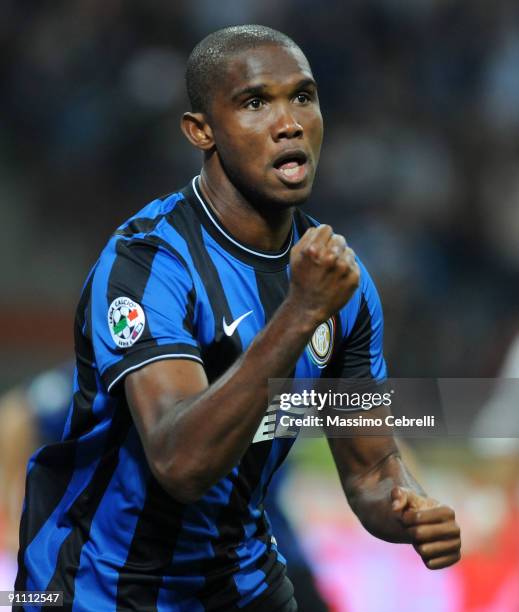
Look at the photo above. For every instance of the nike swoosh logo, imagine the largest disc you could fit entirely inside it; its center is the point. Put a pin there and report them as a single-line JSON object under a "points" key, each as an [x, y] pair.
{"points": [[230, 329]]}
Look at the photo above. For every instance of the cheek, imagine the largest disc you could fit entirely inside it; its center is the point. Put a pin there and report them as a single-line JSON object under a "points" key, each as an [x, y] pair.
{"points": [[316, 130], [240, 138]]}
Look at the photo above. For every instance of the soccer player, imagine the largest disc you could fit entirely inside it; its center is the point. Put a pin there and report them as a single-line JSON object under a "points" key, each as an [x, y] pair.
{"points": [[153, 499]]}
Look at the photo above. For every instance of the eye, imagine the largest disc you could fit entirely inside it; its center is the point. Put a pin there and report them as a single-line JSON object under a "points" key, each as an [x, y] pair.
{"points": [[303, 97], [254, 103]]}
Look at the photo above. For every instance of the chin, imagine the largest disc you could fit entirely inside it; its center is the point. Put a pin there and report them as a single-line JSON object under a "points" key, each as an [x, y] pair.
{"points": [[294, 196]]}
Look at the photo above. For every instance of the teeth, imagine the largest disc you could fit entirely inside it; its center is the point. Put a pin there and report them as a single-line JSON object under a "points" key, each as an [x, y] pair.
{"points": [[290, 171]]}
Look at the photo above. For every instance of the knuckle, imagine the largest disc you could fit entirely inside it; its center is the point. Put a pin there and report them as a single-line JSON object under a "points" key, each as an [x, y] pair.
{"points": [[342, 265], [329, 259], [415, 533]]}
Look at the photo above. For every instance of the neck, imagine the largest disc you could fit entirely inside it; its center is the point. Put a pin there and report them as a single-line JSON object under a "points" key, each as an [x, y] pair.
{"points": [[255, 226]]}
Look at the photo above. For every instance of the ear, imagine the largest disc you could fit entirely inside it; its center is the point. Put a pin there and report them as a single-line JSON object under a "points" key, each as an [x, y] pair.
{"points": [[197, 130]]}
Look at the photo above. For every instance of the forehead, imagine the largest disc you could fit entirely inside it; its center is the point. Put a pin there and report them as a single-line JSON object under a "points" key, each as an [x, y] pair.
{"points": [[269, 65]]}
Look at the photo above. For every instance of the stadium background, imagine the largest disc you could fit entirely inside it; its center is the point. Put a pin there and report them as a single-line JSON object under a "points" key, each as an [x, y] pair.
{"points": [[420, 171]]}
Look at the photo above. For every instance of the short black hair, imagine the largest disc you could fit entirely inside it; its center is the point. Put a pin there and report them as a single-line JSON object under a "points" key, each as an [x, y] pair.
{"points": [[207, 62]]}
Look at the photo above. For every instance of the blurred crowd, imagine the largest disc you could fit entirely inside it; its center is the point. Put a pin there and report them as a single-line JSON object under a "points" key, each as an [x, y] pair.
{"points": [[419, 167]]}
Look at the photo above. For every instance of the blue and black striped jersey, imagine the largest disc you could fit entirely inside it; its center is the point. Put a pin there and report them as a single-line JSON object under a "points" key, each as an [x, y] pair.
{"points": [[171, 283]]}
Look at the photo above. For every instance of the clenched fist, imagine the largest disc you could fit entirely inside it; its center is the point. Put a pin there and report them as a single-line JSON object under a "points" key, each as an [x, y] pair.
{"points": [[431, 527], [324, 273]]}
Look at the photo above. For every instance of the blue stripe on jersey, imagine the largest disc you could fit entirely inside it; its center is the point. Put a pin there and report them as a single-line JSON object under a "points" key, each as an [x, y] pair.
{"points": [[42, 553], [378, 364], [154, 209], [234, 280], [158, 291], [112, 530]]}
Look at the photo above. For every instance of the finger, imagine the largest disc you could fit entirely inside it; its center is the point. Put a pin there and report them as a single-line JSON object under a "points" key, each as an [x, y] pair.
{"points": [[330, 253], [436, 514], [432, 550], [441, 562], [347, 262], [398, 498], [318, 239], [434, 532], [337, 244]]}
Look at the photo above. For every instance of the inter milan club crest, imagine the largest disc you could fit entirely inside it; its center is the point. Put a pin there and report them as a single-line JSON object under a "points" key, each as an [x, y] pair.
{"points": [[126, 321], [320, 347]]}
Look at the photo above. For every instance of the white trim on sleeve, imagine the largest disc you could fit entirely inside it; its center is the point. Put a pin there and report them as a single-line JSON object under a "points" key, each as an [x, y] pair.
{"points": [[157, 358]]}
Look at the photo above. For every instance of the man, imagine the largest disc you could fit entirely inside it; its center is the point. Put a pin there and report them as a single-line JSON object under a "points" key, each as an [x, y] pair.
{"points": [[153, 499]]}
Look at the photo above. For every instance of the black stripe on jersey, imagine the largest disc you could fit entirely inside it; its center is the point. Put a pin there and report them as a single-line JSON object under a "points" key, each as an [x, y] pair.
{"points": [[303, 222], [128, 277], [82, 511], [150, 552], [83, 418], [51, 474], [188, 322], [55, 464], [141, 225], [223, 351], [130, 274], [356, 362]]}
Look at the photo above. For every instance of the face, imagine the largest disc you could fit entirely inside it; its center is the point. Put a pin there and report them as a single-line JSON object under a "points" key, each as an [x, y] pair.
{"points": [[267, 125]]}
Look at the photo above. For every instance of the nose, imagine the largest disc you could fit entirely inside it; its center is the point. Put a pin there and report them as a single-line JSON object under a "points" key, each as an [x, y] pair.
{"points": [[286, 125]]}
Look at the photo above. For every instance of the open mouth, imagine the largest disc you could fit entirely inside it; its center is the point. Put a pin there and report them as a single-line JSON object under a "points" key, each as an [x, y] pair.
{"points": [[292, 166]]}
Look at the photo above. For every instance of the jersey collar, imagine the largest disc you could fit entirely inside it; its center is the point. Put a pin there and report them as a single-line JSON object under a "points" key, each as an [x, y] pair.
{"points": [[267, 260]]}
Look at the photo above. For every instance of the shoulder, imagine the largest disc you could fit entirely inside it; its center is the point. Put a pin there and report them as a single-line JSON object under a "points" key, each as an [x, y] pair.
{"points": [[147, 221], [148, 231], [144, 247]]}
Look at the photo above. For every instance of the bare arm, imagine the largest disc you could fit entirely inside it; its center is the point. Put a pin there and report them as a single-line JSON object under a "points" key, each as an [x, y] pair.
{"points": [[194, 433], [390, 503]]}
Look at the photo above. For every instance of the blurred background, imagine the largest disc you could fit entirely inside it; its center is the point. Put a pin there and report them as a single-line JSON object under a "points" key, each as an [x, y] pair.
{"points": [[419, 169]]}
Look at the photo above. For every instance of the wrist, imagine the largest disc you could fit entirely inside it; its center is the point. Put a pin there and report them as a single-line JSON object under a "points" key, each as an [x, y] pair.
{"points": [[307, 317]]}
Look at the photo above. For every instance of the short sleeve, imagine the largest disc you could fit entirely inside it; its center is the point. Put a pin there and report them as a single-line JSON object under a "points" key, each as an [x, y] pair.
{"points": [[142, 309], [362, 354]]}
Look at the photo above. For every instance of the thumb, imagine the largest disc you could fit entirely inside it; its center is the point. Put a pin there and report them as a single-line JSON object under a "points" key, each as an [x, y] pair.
{"points": [[408, 499]]}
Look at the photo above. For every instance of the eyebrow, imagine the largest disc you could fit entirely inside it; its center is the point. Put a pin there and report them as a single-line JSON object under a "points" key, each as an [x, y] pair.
{"points": [[259, 89]]}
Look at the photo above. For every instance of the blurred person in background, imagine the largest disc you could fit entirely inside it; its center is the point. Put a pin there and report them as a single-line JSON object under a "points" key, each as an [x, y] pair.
{"points": [[31, 415], [150, 361]]}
